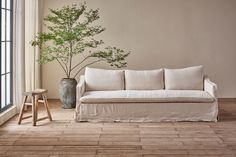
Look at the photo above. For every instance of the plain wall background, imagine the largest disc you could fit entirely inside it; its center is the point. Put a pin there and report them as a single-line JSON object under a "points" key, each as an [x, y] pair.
{"points": [[164, 33]]}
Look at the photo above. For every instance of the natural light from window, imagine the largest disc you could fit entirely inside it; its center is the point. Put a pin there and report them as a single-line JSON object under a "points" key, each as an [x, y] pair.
{"points": [[6, 54]]}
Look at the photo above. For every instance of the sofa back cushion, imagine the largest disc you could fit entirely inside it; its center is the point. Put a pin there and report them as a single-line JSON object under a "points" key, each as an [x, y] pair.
{"points": [[144, 80], [190, 78], [101, 79]]}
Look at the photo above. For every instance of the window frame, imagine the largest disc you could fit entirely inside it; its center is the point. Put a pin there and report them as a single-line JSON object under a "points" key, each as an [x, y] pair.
{"points": [[10, 41]]}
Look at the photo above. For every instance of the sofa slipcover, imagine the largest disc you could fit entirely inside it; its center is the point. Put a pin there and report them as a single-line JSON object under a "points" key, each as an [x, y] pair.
{"points": [[146, 112], [136, 96], [115, 104]]}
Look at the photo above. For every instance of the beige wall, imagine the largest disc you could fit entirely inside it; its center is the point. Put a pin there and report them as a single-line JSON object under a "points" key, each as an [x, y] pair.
{"points": [[165, 33]]}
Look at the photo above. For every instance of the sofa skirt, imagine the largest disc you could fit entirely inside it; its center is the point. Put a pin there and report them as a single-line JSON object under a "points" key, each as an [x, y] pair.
{"points": [[146, 112]]}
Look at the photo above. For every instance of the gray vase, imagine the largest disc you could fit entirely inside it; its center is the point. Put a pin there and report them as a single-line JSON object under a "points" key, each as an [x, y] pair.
{"points": [[67, 92]]}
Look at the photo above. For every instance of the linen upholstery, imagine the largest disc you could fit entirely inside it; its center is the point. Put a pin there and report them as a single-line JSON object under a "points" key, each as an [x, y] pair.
{"points": [[190, 78], [210, 87], [101, 79], [80, 88], [146, 112], [112, 104], [144, 80], [137, 96]]}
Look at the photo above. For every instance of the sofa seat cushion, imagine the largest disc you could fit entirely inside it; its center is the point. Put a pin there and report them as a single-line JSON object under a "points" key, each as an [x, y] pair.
{"points": [[149, 96]]}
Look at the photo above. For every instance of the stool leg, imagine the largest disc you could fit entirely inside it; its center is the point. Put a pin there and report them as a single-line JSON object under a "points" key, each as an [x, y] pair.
{"points": [[46, 106], [22, 110], [36, 108], [33, 111]]}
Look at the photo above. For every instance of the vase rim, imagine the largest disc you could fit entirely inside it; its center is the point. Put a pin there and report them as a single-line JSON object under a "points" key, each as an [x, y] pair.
{"points": [[68, 79]]}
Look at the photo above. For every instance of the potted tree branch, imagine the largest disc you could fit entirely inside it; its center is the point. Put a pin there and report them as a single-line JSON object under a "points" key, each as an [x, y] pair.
{"points": [[70, 32]]}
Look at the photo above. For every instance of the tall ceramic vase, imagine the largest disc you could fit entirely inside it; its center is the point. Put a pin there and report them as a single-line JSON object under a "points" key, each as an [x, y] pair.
{"points": [[67, 92]]}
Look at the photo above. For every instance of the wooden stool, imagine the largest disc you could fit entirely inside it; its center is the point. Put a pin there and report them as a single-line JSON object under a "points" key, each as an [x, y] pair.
{"points": [[35, 100]]}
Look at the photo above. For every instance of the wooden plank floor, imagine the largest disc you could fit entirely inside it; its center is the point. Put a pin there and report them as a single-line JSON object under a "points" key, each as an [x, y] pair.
{"points": [[63, 137]]}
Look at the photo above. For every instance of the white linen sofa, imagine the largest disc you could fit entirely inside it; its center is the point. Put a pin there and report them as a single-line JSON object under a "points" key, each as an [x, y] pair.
{"points": [[146, 96]]}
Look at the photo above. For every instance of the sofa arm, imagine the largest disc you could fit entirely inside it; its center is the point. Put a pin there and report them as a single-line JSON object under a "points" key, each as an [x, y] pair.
{"points": [[80, 88], [210, 87]]}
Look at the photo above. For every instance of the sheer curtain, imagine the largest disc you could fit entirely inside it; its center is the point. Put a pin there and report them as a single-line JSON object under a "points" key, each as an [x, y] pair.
{"points": [[32, 27], [19, 55], [26, 68]]}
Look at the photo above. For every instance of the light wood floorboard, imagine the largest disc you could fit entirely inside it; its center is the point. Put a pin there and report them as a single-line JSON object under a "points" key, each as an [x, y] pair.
{"points": [[63, 137]]}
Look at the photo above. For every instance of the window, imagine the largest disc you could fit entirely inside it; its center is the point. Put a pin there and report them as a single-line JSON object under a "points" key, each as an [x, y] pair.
{"points": [[6, 16]]}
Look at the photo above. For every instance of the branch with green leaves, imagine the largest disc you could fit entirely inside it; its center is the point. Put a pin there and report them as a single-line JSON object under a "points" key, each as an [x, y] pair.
{"points": [[71, 32]]}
